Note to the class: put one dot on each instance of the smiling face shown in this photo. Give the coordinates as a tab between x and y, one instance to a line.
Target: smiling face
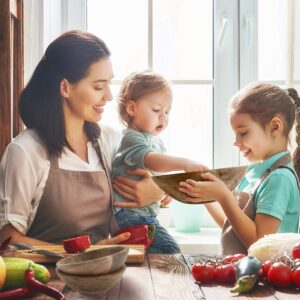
253	141
85	100
150	113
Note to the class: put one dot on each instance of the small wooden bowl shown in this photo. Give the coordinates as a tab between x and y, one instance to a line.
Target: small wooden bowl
94	262
91	285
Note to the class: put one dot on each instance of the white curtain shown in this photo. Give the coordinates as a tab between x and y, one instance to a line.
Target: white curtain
293	45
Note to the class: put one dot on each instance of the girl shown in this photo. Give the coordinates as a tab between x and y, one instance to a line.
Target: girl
262	116
144	104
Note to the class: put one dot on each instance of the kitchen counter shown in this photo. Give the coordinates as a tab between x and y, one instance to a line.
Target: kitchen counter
168	277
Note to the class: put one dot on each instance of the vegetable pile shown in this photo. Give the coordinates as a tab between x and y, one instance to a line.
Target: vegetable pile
21	278
246	271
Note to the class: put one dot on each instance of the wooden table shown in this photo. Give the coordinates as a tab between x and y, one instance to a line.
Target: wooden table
163	277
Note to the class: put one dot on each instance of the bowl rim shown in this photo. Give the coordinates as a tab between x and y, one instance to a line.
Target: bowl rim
64	261
121	269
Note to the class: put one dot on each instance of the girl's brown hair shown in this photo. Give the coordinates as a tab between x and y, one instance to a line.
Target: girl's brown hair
263	101
136	85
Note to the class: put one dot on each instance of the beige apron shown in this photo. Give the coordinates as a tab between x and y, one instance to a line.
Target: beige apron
230	243
75	203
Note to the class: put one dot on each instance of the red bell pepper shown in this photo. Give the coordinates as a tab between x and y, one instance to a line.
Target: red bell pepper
77	244
140	235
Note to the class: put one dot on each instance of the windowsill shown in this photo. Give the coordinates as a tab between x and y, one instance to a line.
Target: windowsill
206	241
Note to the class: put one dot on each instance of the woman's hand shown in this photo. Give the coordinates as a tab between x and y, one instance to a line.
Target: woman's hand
142	192
115	240
211	189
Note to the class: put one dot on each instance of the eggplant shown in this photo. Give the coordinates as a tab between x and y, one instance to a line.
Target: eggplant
247	274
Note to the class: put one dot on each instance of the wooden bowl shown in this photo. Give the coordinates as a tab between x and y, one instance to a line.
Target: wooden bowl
94	262
91	285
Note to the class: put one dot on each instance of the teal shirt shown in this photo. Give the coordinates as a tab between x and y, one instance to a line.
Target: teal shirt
277	196
130	155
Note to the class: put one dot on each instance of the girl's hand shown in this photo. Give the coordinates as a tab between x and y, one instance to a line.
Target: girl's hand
115	240
141	193
212	189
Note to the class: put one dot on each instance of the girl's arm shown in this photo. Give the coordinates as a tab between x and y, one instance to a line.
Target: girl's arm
246	229
216	211
165	163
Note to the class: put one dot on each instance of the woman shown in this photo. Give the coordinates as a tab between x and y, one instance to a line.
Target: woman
55	175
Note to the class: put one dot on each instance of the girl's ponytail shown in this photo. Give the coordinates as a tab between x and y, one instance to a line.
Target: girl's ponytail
296	155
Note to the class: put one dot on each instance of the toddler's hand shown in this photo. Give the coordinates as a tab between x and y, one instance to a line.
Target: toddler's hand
193	166
166	201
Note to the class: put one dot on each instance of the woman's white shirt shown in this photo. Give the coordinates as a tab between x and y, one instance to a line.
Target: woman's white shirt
24	170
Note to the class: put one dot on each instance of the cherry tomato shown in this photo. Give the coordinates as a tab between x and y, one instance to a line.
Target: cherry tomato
234	258
296	277
266	266
296	263
296	251
280	275
203	273
225	274
260	274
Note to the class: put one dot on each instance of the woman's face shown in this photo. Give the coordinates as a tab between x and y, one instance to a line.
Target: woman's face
85	100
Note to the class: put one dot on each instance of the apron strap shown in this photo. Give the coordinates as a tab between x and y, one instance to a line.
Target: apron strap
280	163
97	146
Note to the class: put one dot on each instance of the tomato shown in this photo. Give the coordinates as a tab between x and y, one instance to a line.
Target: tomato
296	251
280	275
203	273
225	274
296	263
266	266
296	277
234	258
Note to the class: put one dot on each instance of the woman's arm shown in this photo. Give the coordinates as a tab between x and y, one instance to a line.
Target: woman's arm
141	193
164	163
17	237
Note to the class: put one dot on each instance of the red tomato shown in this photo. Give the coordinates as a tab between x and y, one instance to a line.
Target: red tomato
203	273
225	274
296	251
296	263
296	277
234	258
280	275
266	266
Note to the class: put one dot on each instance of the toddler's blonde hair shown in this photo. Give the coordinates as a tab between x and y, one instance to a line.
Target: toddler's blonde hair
136	85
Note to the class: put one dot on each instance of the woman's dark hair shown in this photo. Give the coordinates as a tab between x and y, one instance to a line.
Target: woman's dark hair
68	57
263	101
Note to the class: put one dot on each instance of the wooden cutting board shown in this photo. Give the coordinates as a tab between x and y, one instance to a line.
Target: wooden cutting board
136	253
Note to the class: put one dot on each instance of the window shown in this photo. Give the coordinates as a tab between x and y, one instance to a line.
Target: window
173	38
209	49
